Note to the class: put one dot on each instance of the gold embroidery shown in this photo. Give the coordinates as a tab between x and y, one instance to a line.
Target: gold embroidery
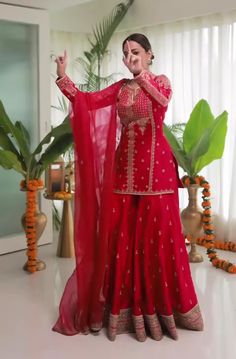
130	165
144	81
169	323
139	328
142	123
125	322
149	192
154	326
152	157
65	84
191	320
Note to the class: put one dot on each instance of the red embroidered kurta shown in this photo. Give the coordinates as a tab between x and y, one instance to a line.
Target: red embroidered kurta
144	163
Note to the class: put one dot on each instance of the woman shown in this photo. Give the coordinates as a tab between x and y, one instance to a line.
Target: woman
132	271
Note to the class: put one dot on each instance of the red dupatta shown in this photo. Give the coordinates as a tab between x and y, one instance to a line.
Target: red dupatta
94	125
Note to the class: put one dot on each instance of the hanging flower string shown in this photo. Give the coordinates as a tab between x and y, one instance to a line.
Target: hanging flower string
208	241
31	187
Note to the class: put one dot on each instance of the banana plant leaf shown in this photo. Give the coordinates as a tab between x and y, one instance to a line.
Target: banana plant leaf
203	139
58	146
177	148
57	141
9	128
200	119
216	142
6	143
8	160
55	132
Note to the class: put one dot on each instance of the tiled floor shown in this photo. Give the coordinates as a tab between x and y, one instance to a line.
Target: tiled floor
29	304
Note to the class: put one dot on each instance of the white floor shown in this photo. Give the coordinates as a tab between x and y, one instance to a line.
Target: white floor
29	304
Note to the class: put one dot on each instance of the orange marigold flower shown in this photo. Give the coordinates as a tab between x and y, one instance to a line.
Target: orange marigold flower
207	211
207	194
215	261
206	203
232	269
197	180
206	219
187	182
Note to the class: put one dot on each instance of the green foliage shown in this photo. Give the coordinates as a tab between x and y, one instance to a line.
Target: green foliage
15	150
202	140
101	35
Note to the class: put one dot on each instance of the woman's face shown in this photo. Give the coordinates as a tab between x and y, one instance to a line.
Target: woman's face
138	50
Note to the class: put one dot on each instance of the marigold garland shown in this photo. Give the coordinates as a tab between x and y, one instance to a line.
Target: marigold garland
31	187
208	241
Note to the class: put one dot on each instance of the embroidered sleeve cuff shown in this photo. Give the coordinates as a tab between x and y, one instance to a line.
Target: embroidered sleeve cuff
67	87
159	87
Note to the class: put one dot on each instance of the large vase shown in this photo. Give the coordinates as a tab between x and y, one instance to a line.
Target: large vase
191	218
40	224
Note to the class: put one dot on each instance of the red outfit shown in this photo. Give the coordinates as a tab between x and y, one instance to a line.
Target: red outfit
132	266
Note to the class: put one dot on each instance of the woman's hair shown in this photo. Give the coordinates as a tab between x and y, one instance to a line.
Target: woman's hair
141	39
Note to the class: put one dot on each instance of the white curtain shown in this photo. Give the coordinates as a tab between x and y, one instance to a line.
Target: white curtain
199	57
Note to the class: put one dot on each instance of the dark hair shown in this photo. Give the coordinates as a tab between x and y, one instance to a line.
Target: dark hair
141	39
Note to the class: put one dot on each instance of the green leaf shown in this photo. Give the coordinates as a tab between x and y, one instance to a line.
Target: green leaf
6	143
216	142
9	128
56	132
63	104
24	132
9	160
198	150
200	119
59	146
102	34
178	151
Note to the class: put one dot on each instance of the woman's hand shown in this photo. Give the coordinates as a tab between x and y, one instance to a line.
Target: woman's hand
133	62
61	62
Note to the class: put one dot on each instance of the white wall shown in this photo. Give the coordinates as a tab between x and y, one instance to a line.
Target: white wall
82	18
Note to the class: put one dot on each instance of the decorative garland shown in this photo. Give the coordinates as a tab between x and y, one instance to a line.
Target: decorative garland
31	187
209	237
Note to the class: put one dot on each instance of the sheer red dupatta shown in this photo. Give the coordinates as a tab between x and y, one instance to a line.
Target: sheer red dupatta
94	125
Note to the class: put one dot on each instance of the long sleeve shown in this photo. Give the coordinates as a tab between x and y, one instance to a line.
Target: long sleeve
97	99
158	87
67	87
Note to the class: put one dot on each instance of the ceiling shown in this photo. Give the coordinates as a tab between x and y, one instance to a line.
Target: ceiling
46	4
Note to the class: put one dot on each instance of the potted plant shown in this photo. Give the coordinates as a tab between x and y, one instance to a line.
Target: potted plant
16	154
200	142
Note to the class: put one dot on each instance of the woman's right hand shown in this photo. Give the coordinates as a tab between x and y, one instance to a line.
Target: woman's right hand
61	62
133	62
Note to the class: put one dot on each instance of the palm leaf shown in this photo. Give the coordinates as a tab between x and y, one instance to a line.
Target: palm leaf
102	34
104	30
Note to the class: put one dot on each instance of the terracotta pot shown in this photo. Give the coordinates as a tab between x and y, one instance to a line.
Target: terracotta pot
191	218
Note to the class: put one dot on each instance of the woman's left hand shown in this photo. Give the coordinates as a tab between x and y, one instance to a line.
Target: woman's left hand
133	62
